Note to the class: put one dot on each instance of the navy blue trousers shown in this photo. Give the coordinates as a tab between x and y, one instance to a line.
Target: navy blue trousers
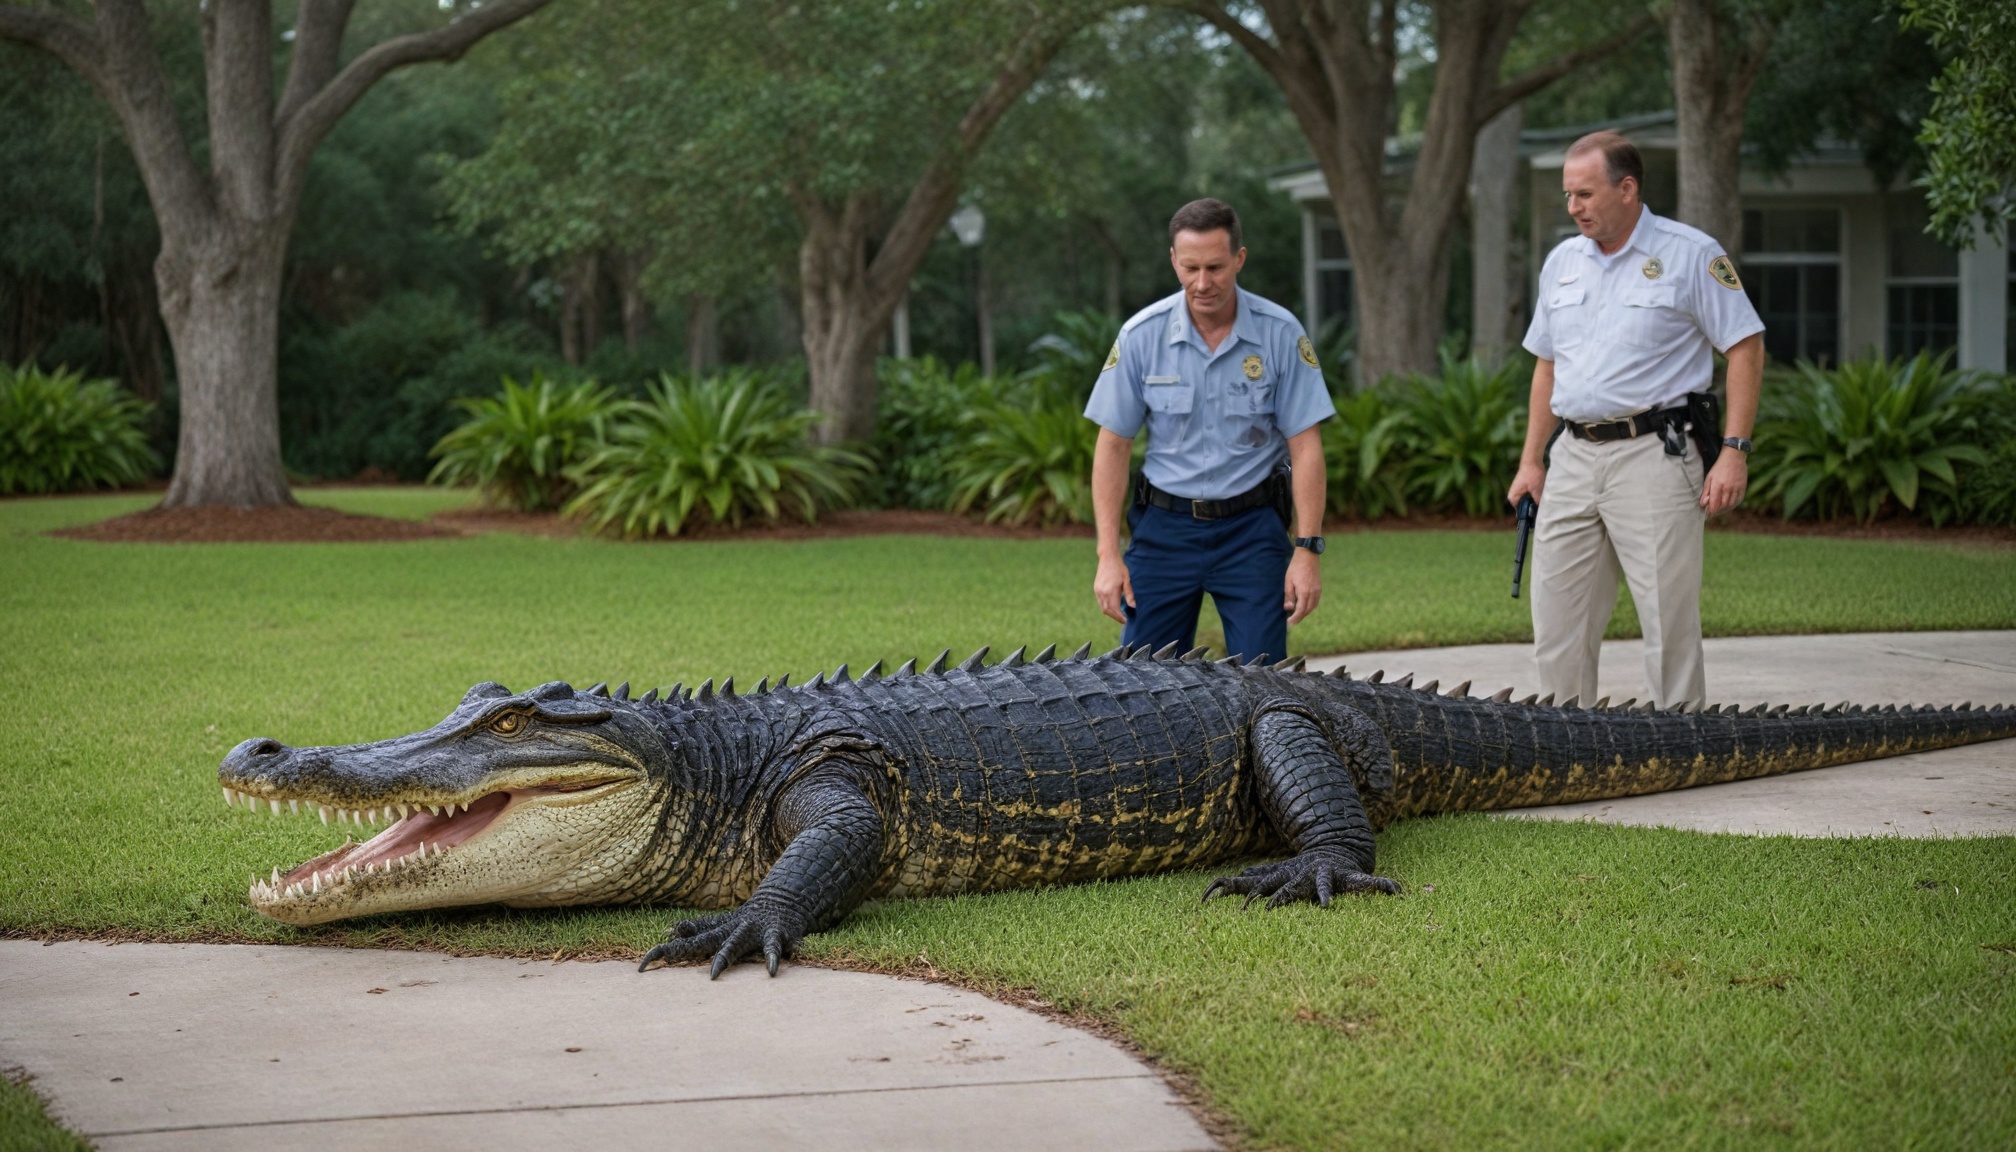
1241	561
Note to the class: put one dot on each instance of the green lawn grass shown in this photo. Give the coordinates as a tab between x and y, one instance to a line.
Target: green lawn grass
1561	985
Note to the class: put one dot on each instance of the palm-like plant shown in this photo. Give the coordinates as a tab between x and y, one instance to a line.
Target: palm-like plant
1027	464
1852	439
518	446
1363	469
60	433
1462	433
725	449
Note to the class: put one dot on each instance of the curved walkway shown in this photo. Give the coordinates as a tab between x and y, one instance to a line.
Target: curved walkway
1968	791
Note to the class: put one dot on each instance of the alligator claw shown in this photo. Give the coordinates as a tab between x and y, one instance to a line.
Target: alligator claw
726	938
1313	876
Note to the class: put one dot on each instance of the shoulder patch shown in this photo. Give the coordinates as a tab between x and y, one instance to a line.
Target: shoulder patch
1112	357
1308	351
1724	272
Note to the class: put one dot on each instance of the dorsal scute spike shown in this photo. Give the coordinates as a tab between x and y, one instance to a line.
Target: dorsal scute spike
1231	661
1084	650
1048	654
1547	701
1406	681
1141	653
873	673
1967	706
1627	704
817	681
601	689
840	675
1166	651
1283	665
1430	687
1259	661
677	691
1648	708
1014	659
783	682
1780	710
762	686
1197	653
707	689
728	688
1377	676
1759	710
1338	673
909	668
937	667
1503	695
650	695
622	691
1602	702
1119	653
973	663
1460	690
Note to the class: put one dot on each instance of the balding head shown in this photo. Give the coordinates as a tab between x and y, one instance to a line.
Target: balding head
1620	156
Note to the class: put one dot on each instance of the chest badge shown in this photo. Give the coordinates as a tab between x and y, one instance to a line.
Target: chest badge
1253	367
1112	357
1653	269
1724	273
1308	351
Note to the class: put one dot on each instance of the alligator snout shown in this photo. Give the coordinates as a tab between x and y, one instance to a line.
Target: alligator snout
253	754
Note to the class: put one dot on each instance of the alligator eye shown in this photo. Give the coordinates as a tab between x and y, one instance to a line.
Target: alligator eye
508	724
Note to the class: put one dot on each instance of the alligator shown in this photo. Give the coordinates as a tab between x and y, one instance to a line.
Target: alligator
785	807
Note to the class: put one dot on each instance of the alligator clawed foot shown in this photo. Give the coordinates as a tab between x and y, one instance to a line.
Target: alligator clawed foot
1315	876
729	937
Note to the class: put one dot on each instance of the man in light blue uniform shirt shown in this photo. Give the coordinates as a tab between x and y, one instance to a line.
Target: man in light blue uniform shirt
1229	390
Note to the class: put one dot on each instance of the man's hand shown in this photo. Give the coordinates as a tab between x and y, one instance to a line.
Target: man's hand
1526	482
1304	586
1114	587
1725	483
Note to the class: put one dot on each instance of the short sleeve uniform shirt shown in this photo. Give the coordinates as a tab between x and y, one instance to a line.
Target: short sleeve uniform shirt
1631	332
1218	421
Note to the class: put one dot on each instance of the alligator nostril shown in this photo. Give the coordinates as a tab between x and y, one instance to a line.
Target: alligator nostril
266	748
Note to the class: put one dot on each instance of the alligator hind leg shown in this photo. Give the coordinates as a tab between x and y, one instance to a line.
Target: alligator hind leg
1306	792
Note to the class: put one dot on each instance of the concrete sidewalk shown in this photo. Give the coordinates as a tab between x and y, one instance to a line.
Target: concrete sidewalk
1967	791
160	1046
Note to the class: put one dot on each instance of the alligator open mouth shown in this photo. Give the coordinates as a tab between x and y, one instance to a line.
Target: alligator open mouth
418	850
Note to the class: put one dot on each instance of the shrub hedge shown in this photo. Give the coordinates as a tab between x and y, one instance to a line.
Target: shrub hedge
62	433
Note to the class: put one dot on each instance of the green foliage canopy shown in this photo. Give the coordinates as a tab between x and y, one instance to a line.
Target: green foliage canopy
1971	130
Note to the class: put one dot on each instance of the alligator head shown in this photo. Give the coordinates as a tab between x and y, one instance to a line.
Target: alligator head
533	798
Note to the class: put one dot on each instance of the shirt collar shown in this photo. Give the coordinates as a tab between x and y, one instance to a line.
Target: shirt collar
1245	325
1640	239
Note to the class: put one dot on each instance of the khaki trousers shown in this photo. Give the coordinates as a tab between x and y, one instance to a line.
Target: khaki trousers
1627	506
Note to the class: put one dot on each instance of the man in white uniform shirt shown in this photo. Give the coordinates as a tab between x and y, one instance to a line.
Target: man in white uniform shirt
1625	320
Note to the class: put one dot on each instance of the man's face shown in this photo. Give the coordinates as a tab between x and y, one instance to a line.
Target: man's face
1209	270
1605	212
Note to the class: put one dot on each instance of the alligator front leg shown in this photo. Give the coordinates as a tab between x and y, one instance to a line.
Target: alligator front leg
1306	792
834	849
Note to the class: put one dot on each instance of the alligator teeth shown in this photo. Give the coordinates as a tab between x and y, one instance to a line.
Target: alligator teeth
276	876
315	882
228	800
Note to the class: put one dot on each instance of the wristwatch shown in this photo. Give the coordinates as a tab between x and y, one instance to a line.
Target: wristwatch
1312	543
1739	443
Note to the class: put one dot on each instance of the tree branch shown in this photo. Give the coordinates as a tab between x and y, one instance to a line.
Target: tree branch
1526	84
317	114
318	48
61	35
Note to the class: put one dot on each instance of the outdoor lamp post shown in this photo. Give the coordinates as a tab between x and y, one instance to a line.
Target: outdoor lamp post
969	224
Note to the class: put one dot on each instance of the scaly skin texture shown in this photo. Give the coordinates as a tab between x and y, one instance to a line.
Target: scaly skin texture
787	808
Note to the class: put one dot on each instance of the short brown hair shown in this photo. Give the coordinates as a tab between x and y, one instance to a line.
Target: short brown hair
1207	215
1620	156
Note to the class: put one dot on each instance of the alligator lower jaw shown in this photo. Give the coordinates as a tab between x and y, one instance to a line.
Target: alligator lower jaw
419	853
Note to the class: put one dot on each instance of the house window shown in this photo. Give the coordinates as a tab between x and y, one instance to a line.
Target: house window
1792	274
1924	285
1333	276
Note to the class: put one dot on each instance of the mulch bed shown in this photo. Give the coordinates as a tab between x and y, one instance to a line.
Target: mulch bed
295	523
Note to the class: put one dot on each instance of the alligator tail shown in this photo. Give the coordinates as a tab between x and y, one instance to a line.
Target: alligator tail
1457	753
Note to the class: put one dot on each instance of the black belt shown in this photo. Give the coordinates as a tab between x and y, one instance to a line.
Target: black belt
1253	497
1642	424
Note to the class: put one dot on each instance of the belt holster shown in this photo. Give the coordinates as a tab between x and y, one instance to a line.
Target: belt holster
1704	420
1281	491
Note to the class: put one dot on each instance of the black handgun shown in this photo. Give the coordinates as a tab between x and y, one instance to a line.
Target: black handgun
1525	514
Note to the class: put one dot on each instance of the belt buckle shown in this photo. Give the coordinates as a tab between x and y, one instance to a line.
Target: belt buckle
1197	509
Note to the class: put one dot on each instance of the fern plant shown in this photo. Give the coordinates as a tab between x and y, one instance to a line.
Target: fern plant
1855	438
722	450
519	445
62	433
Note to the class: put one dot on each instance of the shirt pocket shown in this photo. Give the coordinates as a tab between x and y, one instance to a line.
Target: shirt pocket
1650	316
1568	315
1168	395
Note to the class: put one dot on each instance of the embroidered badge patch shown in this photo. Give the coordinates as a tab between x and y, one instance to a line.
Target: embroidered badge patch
1253	367
1308	351
1653	269
1112	357
1724	272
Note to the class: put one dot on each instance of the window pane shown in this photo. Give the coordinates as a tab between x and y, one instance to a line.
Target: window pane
1330	241
1816	230
1333	296
1923	316
1800	305
1912	252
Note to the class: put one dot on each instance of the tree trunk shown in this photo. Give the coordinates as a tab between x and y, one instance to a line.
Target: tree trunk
220	297
983	304
1494	198
630	290
1715	64
703	334
844	316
